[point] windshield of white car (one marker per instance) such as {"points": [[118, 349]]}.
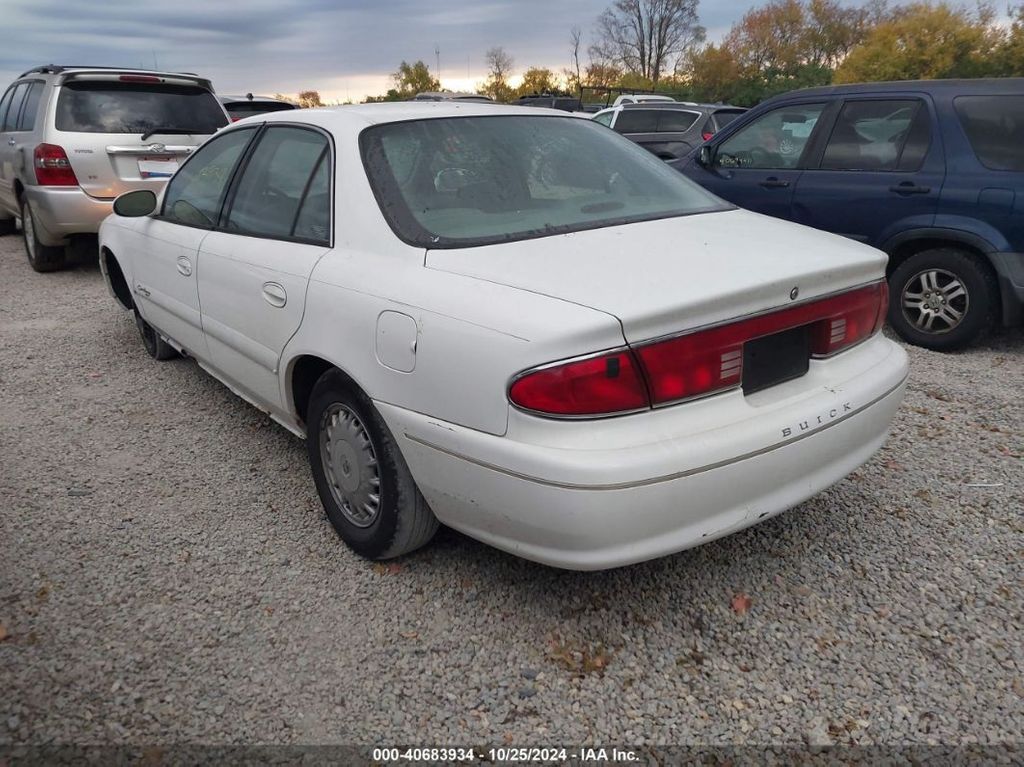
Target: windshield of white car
{"points": [[468, 181], [114, 107]]}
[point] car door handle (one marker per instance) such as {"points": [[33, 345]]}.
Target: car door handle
{"points": [[774, 183], [184, 267], [909, 187], [11, 142], [274, 294]]}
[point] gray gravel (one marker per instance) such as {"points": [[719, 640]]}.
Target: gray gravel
{"points": [[167, 574]]}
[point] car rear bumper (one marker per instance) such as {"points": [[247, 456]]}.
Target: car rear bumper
{"points": [[62, 211], [629, 489]]}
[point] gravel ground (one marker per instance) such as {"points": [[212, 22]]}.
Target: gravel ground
{"points": [[167, 575]]}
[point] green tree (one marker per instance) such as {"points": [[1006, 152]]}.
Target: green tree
{"points": [[924, 41], [538, 80]]}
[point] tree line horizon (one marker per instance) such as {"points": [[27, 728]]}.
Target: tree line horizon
{"points": [[779, 46]]}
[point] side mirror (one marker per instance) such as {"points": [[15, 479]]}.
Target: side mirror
{"points": [[704, 156], [141, 202]]}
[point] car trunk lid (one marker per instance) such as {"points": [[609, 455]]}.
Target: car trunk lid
{"points": [[667, 276]]}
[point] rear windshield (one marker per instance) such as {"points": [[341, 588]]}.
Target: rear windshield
{"points": [[995, 127], [111, 107], [250, 108], [467, 181], [724, 118]]}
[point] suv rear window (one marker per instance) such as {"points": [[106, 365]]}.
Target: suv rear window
{"points": [[114, 107], [995, 127]]}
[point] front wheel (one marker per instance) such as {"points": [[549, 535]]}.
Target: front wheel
{"points": [[363, 481], [42, 258], [942, 299], [155, 346]]}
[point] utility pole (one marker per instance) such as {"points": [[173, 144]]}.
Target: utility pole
{"points": [[437, 60]]}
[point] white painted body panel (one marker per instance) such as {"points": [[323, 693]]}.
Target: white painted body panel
{"points": [[459, 324]]}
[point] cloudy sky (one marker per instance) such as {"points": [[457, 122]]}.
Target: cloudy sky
{"points": [[343, 48]]}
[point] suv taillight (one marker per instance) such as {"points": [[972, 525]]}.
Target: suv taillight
{"points": [[52, 166], [695, 364]]}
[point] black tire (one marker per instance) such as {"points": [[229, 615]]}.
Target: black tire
{"points": [[8, 226], [345, 421], [42, 258], [929, 290], [155, 346]]}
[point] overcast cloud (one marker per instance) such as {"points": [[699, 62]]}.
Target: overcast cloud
{"points": [[343, 48]]}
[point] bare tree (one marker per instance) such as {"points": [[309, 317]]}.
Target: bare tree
{"points": [[647, 37], [575, 41], [499, 67]]}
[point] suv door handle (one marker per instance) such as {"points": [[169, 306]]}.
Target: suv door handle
{"points": [[909, 187], [774, 183]]}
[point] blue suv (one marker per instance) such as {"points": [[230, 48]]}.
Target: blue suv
{"points": [[931, 172]]}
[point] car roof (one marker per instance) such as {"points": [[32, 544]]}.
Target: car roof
{"points": [[681, 105], [252, 99], [1001, 84], [361, 115]]}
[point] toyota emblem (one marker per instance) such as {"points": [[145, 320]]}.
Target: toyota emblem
{"points": [[157, 148]]}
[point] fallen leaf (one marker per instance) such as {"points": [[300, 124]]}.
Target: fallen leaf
{"points": [[387, 568], [410, 634], [741, 603], [3, 632], [508, 738]]}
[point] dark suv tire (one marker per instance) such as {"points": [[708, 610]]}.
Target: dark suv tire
{"points": [[942, 299], [42, 258]]}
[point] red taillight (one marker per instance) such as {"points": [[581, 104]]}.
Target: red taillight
{"points": [[52, 166], [706, 135], [601, 385], [139, 79], [695, 364]]}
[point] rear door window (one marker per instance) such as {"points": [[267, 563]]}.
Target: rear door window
{"points": [[30, 107], [721, 119], [4, 103], [637, 121], [995, 127], [275, 184], [115, 107], [11, 120], [872, 135], [676, 121]]}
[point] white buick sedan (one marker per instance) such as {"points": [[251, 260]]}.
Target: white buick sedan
{"points": [[512, 321]]}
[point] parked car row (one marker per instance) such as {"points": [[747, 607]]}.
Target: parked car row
{"points": [[449, 355]]}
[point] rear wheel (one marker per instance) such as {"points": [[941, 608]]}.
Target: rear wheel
{"points": [[42, 258], [155, 346], [942, 299], [363, 481]]}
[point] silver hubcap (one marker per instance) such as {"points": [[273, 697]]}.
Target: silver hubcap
{"points": [[350, 465], [935, 301], [29, 228]]}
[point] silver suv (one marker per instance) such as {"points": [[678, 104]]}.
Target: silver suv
{"points": [[74, 138]]}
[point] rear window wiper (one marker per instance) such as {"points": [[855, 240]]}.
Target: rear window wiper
{"points": [[183, 131]]}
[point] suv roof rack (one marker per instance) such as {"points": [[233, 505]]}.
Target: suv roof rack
{"points": [[53, 69]]}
